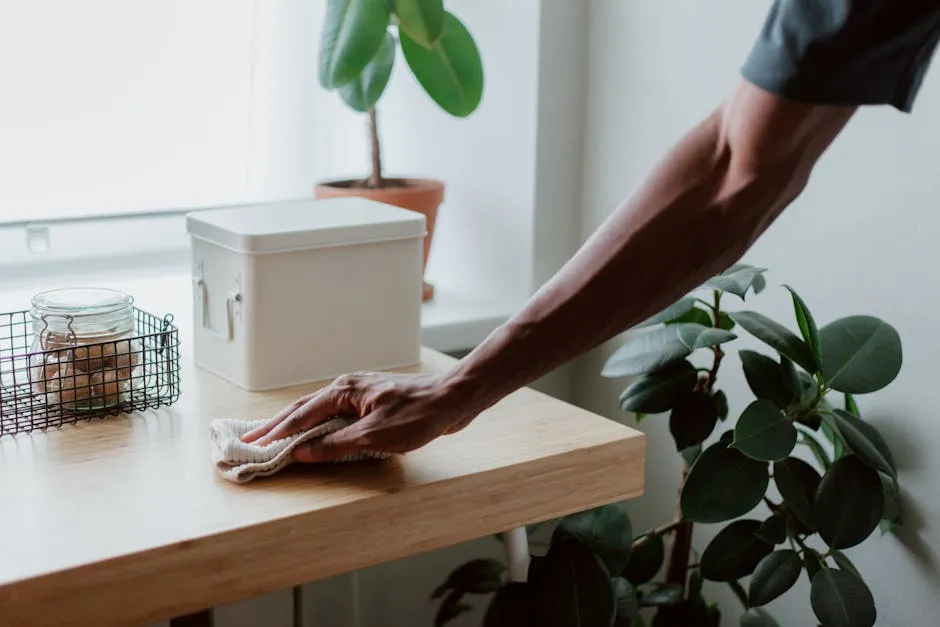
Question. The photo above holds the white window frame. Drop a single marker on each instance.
(282, 161)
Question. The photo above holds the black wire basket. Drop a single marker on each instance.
(69, 382)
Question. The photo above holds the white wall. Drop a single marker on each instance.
(862, 239)
(484, 237)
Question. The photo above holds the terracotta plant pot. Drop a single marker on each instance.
(421, 195)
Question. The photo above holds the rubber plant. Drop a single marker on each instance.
(359, 46)
(802, 433)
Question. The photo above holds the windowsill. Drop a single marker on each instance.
(454, 321)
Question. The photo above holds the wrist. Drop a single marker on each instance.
(467, 389)
(483, 377)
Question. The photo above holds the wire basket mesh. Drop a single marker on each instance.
(40, 389)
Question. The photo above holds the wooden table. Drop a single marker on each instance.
(124, 521)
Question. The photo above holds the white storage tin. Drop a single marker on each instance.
(294, 292)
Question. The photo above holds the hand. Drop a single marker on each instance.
(397, 413)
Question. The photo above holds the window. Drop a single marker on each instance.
(119, 116)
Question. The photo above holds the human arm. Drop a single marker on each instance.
(698, 211)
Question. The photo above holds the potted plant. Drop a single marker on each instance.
(802, 433)
(358, 48)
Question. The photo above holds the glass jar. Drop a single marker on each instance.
(84, 353)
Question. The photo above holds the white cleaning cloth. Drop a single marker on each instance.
(241, 462)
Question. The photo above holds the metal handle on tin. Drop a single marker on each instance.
(233, 297)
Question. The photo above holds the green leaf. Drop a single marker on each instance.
(816, 449)
(660, 594)
(773, 530)
(736, 280)
(423, 20)
(645, 352)
(798, 482)
(840, 599)
(606, 530)
(693, 419)
(721, 404)
(721, 485)
(861, 354)
(777, 336)
(364, 91)
(713, 616)
(511, 606)
(766, 378)
(795, 383)
(774, 575)
(695, 315)
(763, 433)
(673, 311)
(645, 558)
(734, 552)
(659, 391)
(352, 33)
(725, 322)
(695, 582)
(573, 587)
(849, 503)
(808, 330)
(628, 604)
(831, 431)
(866, 442)
(696, 336)
(756, 617)
(476, 576)
(450, 608)
(713, 337)
(813, 562)
(811, 419)
(451, 70)
(851, 406)
(843, 562)
(689, 455)
(891, 517)
(759, 284)
(887, 525)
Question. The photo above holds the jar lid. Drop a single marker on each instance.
(81, 301)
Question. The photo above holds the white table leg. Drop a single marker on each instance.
(517, 553)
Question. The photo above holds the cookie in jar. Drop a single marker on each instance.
(85, 353)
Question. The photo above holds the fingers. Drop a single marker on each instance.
(335, 445)
(279, 417)
(458, 426)
(316, 410)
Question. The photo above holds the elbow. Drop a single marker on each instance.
(758, 170)
(750, 190)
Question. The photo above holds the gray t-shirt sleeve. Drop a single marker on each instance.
(845, 52)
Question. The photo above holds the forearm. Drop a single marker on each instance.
(696, 214)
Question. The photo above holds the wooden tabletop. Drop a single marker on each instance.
(124, 521)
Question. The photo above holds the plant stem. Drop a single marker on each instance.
(800, 542)
(681, 549)
(375, 179)
(659, 531)
(740, 593)
(677, 569)
(719, 354)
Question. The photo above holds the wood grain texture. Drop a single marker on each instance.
(124, 521)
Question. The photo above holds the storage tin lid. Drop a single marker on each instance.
(304, 224)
